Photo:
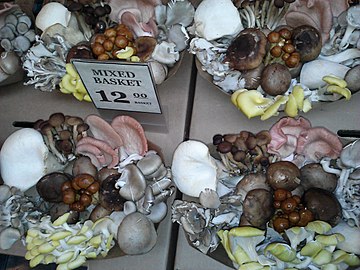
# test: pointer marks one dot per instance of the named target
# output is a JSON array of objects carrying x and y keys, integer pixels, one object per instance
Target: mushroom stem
[
  {"x": 344, "y": 176},
  {"x": 280, "y": 15},
  {"x": 271, "y": 13},
  {"x": 263, "y": 13}
]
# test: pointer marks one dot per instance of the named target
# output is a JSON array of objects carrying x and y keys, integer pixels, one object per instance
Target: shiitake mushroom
[
  {"x": 307, "y": 41},
  {"x": 49, "y": 186},
  {"x": 313, "y": 175},
  {"x": 109, "y": 196},
  {"x": 258, "y": 207},
  {"x": 283, "y": 174},
  {"x": 323, "y": 204}
]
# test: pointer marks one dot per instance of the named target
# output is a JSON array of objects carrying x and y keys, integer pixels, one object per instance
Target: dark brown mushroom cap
[
  {"x": 109, "y": 196},
  {"x": 144, "y": 47},
  {"x": 247, "y": 50},
  {"x": 263, "y": 137},
  {"x": 312, "y": 175},
  {"x": 56, "y": 119},
  {"x": 275, "y": 79},
  {"x": 323, "y": 204},
  {"x": 307, "y": 41},
  {"x": 258, "y": 207},
  {"x": 74, "y": 120},
  {"x": 283, "y": 174},
  {"x": 49, "y": 186}
]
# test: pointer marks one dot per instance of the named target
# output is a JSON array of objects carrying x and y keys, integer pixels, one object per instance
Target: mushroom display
[{"x": 279, "y": 214}]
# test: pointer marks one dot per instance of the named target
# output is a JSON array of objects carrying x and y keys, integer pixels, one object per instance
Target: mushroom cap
[
  {"x": 52, "y": 13},
  {"x": 135, "y": 183},
  {"x": 247, "y": 50},
  {"x": 283, "y": 174},
  {"x": 313, "y": 175},
  {"x": 251, "y": 181},
  {"x": 22, "y": 158},
  {"x": 136, "y": 234},
  {"x": 352, "y": 79},
  {"x": 8, "y": 237},
  {"x": 193, "y": 168},
  {"x": 276, "y": 79},
  {"x": 49, "y": 186},
  {"x": 210, "y": 22},
  {"x": 307, "y": 41},
  {"x": 109, "y": 196}
]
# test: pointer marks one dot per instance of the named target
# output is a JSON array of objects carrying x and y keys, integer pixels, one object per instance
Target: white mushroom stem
[
  {"x": 278, "y": 18},
  {"x": 343, "y": 56},
  {"x": 325, "y": 163},
  {"x": 343, "y": 178},
  {"x": 353, "y": 20},
  {"x": 263, "y": 12}
]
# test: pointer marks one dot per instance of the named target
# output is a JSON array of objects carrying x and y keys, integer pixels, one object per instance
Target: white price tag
[{"x": 118, "y": 85}]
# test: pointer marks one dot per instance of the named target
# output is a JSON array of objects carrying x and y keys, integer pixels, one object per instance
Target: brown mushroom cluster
[
  {"x": 61, "y": 133},
  {"x": 244, "y": 152}
]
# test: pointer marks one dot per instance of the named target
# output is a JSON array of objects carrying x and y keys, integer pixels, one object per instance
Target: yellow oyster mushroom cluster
[
  {"x": 252, "y": 103},
  {"x": 72, "y": 84},
  {"x": 337, "y": 85}
]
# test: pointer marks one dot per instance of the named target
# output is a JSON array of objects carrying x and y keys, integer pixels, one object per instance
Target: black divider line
[{"x": 178, "y": 194}]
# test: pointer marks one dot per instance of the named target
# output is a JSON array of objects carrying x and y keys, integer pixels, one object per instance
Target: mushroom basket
[
  {"x": 278, "y": 55},
  {"x": 76, "y": 189},
  {"x": 284, "y": 198},
  {"x": 138, "y": 31}
]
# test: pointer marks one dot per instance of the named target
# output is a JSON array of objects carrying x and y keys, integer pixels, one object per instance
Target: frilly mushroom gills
[
  {"x": 136, "y": 234},
  {"x": 324, "y": 205},
  {"x": 283, "y": 174},
  {"x": 275, "y": 79},
  {"x": 307, "y": 41},
  {"x": 193, "y": 168},
  {"x": 247, "y": 50},
  {"x": 109, "y": 196},
  {"x": 24, "y": 159},
  {"x": 210, "y": 22},
  {"x": 313, "y": 175}
]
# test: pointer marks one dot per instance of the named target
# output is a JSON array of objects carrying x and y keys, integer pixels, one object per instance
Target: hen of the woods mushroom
[
  {"x": 284, "y": 55},
  {"x": 282, "y": 198},
  {"x": 89, "y": 185},
  {"x": 137, "y": 31}
]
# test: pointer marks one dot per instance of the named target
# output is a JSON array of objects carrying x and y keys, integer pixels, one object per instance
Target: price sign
[{"x": 119, "y": 85}]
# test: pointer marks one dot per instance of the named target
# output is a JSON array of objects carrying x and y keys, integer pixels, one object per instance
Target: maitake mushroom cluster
[
  {"x": 98, "y": 182},
  {"x": 256, "y": 209},
  {"x": 276, "y": 55}
]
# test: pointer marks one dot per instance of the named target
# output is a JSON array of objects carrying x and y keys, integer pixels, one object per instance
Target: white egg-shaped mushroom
[
  {"x": 52, "y": 13},
  {"x": 24, "y": 159},
  {"x": 193, "y": 168},
  {"x": 217, "y": 18}
]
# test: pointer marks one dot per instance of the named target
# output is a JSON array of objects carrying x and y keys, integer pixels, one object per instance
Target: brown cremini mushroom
[
  {"x": 276, "y": 79},
  {"x": 307, "y": 41},
  {"x": 247, "y": 50},
  {"x": 283, "y": 174},
  {"x": 144, "y": 47}
]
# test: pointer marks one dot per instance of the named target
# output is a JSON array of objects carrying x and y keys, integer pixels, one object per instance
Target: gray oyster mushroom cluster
[
  {"x": 45, "y": 62},
  {"x": 16, "y": 34},
  {"x": 17, "y": 214}
]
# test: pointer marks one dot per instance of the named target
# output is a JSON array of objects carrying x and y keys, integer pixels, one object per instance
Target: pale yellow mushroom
[
  {"x": 273, "y": 109},
  {"x": 125, "y": 53},
  {"x": 339, "y": 90},
  {"x": 335, "y": 80},
  {"x": 291, "y": 107},
  {"x": 251, "y": 102},
  {"x": 298, "y": 93}
]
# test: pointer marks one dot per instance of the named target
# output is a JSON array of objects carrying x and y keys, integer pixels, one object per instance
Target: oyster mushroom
[
  {"x": 8, "y": 237},
  {"x": 193, "y": 168},
  {"x": 24, "y": 159},
  {"x": 353, "y": 22},
  {"x": 247, "y": 50},
  {"x": 152, "y": 167},
  {"x": 210, "y": 22},
  {"x": 136, "y": 234},
  {"x": 209, "y": 198},
  {"x": 52, "y": 13},
  {"x": 132, "y": 183}
]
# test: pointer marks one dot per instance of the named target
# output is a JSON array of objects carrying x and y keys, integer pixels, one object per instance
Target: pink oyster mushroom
[
  {"x": 109, "y": 144},
  {"x": 296, "y": 139},
  {"x": 138, "y": 15},
  {"x": 316, "y": 13}
]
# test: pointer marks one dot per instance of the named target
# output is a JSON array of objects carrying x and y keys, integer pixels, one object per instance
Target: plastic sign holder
[{"x": 123, "y": 88}]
